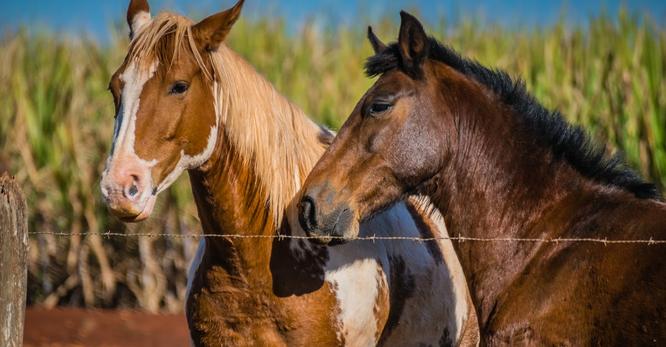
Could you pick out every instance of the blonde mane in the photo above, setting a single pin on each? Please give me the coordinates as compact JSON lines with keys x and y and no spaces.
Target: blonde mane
{"x":273,"y":137}
{"x":271,"y":134}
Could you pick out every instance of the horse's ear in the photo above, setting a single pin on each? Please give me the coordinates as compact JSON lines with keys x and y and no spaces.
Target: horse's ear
{"x":413,"y":44}
{"x":211,"y":31}
{"x":138,"y":15}
{"x":376,"y":43}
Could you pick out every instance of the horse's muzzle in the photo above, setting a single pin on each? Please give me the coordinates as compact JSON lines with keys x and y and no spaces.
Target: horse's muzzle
{"x":327,"y":228}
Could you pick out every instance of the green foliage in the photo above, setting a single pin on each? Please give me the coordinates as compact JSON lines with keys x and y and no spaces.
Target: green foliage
{"x":56,"y":122}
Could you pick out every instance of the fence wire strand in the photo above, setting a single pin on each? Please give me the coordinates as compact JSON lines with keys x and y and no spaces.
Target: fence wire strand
{"x":373,"y":238}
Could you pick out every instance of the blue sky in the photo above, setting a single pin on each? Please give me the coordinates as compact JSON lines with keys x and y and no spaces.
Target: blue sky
{"x":95,"y":17}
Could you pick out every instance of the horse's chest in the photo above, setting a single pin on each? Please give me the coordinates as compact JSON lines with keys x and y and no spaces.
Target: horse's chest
{"x":361,"y":292}
{"x":350,"y":308}
{"x":239,"y":317}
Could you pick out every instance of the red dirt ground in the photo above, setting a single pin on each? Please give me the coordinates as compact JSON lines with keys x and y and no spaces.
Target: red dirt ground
{"x":107,"y":328}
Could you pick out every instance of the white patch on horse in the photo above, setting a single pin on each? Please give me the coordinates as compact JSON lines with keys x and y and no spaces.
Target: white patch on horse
{"x":459,"y":294}
{"x":140,"y":21}
{"x":194,"y":266}
{"x":124,"y":135}
{"x":134,"y":78}
{"x":352,"y":271}
{"x":432,"y":281}
{"x":356,"y":289}
{"x":192,"y":271}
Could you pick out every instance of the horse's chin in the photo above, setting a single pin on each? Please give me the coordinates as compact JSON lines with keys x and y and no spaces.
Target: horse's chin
{"x":329,"y":238}
{"x":352,"y":232}
{"x":144,"y":214}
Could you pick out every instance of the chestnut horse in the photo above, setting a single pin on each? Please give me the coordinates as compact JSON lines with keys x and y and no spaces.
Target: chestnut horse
{"x":499,"y":165}
{"x":185,"y":101}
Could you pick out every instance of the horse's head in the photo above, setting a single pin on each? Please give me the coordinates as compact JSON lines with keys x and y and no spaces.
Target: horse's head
{"x":165,"y":97}
{"x":387,"y":146}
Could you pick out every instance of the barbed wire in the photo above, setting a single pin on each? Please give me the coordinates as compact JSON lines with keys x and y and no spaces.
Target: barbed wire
{"x":373,"y":238}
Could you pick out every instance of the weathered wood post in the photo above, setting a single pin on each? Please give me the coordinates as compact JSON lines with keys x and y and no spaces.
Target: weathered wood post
{"x":13,"y":262}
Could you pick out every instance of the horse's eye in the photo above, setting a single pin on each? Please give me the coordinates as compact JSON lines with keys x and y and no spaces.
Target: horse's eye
{"x":179,"y":87}
{"x":379,"y":107}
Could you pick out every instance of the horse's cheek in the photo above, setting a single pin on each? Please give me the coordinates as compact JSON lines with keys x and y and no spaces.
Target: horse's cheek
{"x":417,"y":156}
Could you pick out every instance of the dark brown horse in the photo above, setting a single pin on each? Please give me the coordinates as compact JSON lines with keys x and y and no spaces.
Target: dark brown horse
{"x":186,"y":102}
{"x":499,"y":165}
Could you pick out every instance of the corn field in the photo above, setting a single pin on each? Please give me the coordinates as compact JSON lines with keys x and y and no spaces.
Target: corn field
{"x":56,"y":122}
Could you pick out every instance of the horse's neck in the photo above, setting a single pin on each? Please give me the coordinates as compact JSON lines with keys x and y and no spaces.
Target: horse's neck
{"x":246,"y":184}
{"x":503,"y":189}
{"x":220,"y":192}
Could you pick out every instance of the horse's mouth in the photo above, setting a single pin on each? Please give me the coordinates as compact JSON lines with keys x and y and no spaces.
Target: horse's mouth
{"x":143,"y":215}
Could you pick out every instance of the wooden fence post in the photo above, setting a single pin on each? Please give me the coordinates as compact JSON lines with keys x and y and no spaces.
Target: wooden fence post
{"x":13,"y":262}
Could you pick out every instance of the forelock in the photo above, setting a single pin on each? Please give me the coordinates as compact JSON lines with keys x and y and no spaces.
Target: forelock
{"x":384,"y":61}
{"x":164,"y":39}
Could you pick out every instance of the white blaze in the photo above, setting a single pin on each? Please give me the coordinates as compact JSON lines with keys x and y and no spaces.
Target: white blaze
{"x":124,"y":135}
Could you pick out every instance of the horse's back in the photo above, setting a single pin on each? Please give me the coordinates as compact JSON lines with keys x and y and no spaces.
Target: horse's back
{"x":634,"y":273}
{"x":608,"y":294}
{"x":637,"y":311}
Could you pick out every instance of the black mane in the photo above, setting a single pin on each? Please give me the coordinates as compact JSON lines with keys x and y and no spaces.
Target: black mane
{"x":565,"y":140}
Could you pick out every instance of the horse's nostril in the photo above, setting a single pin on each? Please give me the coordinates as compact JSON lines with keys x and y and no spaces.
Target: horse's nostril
{"x":307,"y":214}
{"x":133,"y":190}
